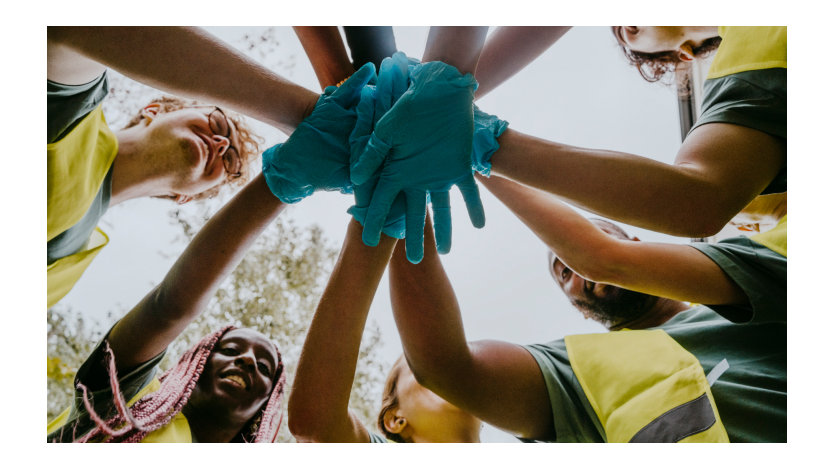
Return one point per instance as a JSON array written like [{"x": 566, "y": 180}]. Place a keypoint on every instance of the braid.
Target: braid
[{"x": 156, "y": 409}]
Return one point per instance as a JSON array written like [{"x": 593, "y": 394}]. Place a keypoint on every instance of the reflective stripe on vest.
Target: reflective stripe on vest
[{"x": 644, "y": 387}]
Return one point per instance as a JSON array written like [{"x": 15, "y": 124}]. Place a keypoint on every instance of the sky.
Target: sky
[
  {"x": 579, "y": 92},
  {"x": 566, "y": 96}
]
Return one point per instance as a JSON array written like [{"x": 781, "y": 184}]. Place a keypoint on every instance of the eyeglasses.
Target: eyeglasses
[{"x": 219, "y": 125}]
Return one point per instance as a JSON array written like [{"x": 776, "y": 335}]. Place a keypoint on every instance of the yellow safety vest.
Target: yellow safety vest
[
  {"x": 745, "y": 48},
  {"x": 177, "y": 430},
  {"x": 76, "y": 166},
  {"x": 776, "y": 238},
  {"x": 645, "y": 387}
]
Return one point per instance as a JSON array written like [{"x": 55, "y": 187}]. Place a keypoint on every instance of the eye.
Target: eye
[
  {"x": 263, "y": 368},
  {"x": 228, "y": 351}
]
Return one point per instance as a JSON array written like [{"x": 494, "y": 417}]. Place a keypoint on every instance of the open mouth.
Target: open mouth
[{"x": 235, "y": 378}]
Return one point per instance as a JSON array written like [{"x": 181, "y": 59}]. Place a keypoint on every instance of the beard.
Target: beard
[{"x": 620, "y": 307}]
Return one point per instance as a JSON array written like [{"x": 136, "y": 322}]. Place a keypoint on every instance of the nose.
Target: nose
[
  {"x": 221, "y": 144},
  {"x": 685, "y": 53},
  {"x": 246, "y": 360}
]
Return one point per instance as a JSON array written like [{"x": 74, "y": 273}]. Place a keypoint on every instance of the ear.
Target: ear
[
  {"x": 182, "y": 198},
  {"x": 394, "y": 423},
  {"x": 150, "y": 111}
]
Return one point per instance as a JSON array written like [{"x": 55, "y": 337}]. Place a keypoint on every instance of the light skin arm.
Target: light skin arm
[
  {"x": 318, "y": 403},
  {"x": 511, "y": 48},
  {"x": 719, "y": 169},
  {"x": 326, "y": 51},
  {"x": 188, "y": 62},
  {"x": 678, "y": 272},
  {"x": 498, "y": 382},
  {"x": 459, "y": 46},
  {"x": 187, "y": 288}
]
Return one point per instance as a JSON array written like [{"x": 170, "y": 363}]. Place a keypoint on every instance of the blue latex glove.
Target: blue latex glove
[
  {"x": 424, "y": 145},
  {"x": 484, "y": 143},
  {"x": 373, "y": 104},
  {"x": 317, "y": 155}
]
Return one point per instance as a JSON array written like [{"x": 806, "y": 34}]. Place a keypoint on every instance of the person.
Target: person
[
  {"x": 231, "y": 382},
  {"x": 318, "y": 407},
  {"x": 736, "y": 150},
  {"x": 173, "y": 148}
]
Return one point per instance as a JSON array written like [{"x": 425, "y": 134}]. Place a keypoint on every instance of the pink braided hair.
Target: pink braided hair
[{"x": 157, "y": 409}]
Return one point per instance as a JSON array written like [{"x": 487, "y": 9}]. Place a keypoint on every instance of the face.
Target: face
[
  {"x": 240, "y": 373},
  {"x": 682, "y": 40},
  {"x": 609, "y": 305},
  {"x": 196, "y": 147},
  {"x": 428, "y": 415}
]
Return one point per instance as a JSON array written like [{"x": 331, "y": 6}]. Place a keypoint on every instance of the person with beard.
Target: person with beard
[{"x": 697, "y": 352}]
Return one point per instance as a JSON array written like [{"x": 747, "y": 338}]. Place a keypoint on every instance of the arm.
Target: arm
[
  {"x": 214, "y": 253},
  {"x": 459, "y": 46},
  {"x": 510, "y": 49},
  {"x": 318, "y": 403},
  {"x": 326, "y": 51},
  {"x": 497, "y": 382},
  {"x": 678, "y": 272},
  {"x": 719, "y": 169},
  {"x": 214, "y": 72}
]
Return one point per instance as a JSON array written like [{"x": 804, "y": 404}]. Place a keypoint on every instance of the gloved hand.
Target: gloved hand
[
  {"x": 317, "y": 155},
  {"x": 424, "y": 145},
  {"x": 485, "y": 141},
  {"x": 375, "y": 101}
]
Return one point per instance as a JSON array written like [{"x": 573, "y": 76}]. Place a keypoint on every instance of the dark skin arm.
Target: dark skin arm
[
  {"x": 187, "y": 62},
  {"x": 318, "y": 403},
  {"x": 498, "y": 382},
  {"x": 187, "y": 288},
  {"x": 719, "y": 169},
  {"x": 326, "y": 51}
]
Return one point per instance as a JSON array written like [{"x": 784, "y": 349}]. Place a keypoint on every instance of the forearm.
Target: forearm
[
  {"x": 575, "y": 240},
  {"x": 427, "y": 315},
  {"x": 459, "y": 46},
  {"x": 510, "y": 49},
  {"x": 679, "y": 200},
  {"x": 326, "y": 51},
  {"x": 318, "y": 403},
  {"x": 214, "y": 72},
  {"x": 191, "y": 283}
]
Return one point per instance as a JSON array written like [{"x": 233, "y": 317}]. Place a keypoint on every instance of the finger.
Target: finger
[
  {"x": 415, "y": 222},
  {"x": 381, "y": 201},
  {"x": 442, "y": 221},
  {"x": 364, "y": 122},
  {"x": 369, "y": 160},
  {"x": 385, "y": 87},
  {"x": 348, "y": 93},
  {"x": 472, "y": 197}
]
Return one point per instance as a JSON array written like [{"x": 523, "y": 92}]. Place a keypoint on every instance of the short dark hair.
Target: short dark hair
[{"x": 390, "y": 398}]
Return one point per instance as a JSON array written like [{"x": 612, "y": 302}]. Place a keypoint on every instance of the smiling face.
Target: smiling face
[
  {"x": 189, "y": 145},
  {"x": 239, "y": 374}
]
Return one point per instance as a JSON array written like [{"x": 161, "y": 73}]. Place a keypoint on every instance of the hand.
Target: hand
[
  {"x": 485, "y": 141},
  {"x": 423, "y": 144},
  {"x": 316, "y": 156},
  {"x": 374, "y": 102}
]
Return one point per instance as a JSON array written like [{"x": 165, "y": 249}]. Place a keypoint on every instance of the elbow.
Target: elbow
[{"x": 301, "y": 423}]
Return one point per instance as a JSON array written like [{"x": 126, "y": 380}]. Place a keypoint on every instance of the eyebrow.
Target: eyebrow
[{"x": 238, "y": 341}]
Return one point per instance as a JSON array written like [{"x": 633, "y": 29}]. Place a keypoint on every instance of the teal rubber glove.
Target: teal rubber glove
[
  {"x": 485, "y": 141},
  {"x": 424, "y": 146},
  {"x": 375, "y": 101},
  {"x": 317, "y": 155}
]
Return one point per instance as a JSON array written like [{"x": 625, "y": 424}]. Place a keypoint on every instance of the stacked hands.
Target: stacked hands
[{"x": 396, "y": 140}]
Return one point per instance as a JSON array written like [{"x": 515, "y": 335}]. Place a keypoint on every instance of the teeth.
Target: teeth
[{"x": 236, "y": 379}]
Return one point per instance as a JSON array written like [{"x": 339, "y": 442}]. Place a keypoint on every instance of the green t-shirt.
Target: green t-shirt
[
  {"x": 67, "y": 105},
  {"x": 756, "y": 99},
  {"x": 751, "y": 396},
  {"x": 93, "y": 374}
]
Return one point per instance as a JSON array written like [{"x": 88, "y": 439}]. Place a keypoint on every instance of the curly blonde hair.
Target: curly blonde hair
[{"x": 250, "y": 142}]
